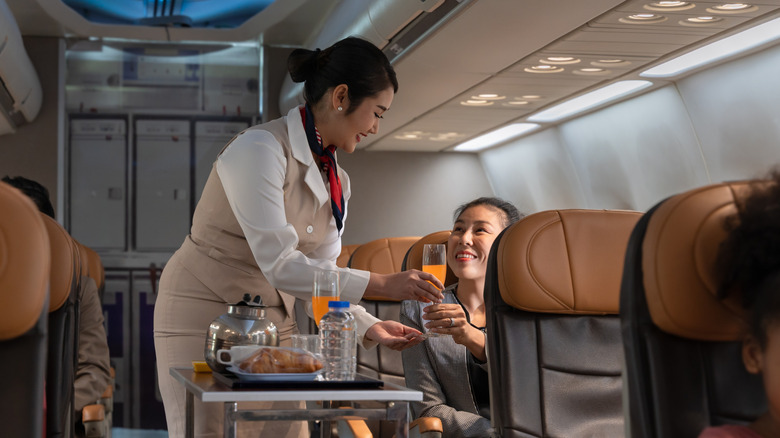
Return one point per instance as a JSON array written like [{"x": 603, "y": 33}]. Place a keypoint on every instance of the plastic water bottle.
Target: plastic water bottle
[{"x": 338, "y": 334}]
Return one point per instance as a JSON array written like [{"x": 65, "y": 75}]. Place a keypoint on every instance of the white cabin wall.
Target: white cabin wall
[
  {"x": 718, "y": 125},
  {"x": 735, "y": 110},
  {"x": 408, "y": 193}
]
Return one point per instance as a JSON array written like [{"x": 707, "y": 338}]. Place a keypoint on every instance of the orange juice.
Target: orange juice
[
  {"x": 440, "y": 271},
  {"x": 320, "y": 307}
]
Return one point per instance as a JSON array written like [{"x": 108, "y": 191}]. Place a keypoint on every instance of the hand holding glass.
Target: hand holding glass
[{"x": 324, "y": 290}]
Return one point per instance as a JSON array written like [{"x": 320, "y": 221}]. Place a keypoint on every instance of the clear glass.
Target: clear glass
[
  {"x": 324, "y": 290},
  {"x": 434, "y": 261}
]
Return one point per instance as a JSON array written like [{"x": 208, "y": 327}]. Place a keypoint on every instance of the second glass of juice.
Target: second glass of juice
[{"x": 324, "y": 290}]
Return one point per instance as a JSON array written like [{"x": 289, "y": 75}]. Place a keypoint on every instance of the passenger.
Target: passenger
[
  {"x": 451, "y": 371},
  {"x": 749, "y": 262},
  {"x": 272, "y": 213},
  {"x": 93, "y": 369}
]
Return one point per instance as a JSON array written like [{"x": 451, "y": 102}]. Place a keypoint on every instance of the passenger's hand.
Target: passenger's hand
[
  {"x": 393, "y": 334},
  {"x": 406, "y": 285},
  {"x": 450, "y": 319}
]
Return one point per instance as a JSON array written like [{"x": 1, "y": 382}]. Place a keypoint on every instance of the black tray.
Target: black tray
[{"x": 360, "y": 382}]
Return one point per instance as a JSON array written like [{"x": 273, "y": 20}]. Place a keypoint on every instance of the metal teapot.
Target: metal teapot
[{"x": 243, "y": 324}]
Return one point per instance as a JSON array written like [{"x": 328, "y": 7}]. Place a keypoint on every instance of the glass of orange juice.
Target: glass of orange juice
[
  {"x": 434, "y": 260},
  {"x": 324, "y": 290}
]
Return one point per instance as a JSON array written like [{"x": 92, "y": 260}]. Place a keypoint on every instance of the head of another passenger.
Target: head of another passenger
[
  {"x": 35, "y": 191},
  {"x": 476, "y": 226},
  {"x": 749, "y": 264},
  {"x": 348, "y": 86}
]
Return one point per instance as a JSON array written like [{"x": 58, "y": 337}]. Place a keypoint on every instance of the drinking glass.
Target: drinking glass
[
  {"x": 310, "y": 343},
  {"x": 434, "y": 260},
  {"x": 324, "y": 290}
]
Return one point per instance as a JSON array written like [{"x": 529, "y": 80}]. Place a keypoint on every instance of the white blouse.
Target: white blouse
[{"x": 252, "y": 171}]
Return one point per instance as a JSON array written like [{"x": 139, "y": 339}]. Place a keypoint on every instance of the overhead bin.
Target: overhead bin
[
  {"x": 20, "y": 88},
  {"x": 375, "y": 20}
]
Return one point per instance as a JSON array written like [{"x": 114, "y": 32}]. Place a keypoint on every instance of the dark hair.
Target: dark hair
[
  {"x": 352, "y": 61},
  {"x": 35, "y": 191},
  {"x": 510, "y": 213},
  {"x": 748, "y": 260}
]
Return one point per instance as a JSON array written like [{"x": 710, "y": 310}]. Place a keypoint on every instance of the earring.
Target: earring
[{"x": 340, "y": 108}]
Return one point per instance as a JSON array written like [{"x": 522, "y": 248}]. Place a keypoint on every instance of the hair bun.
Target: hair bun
[{"x": 303, "y": 64}]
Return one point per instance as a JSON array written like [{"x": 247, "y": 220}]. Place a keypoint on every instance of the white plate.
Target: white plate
[{"x": 272, "y": 377}]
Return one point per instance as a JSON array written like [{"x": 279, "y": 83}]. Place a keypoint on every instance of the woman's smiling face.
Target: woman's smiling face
[
  {"x": 361, "y": 122},
  {"x": 472, "y": 236}
]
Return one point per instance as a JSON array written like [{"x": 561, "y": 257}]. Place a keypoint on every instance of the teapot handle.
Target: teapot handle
[{"x": 220, "y": 352}]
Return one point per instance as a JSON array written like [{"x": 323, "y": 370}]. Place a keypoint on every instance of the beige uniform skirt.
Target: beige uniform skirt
[{"x": 183, "y": 310}]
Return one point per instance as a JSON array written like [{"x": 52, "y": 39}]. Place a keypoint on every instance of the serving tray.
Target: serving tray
[{"x": 361, "y": 382}]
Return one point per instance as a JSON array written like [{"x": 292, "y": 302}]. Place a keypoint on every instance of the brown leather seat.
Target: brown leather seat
[
  {"x": 383, "y": 256},
  {"x": 24, "y": 291},
  {"x": 553, "y": 333},
  {"x": 63, "y": 329},
  {"x": 682, "y": 344}
]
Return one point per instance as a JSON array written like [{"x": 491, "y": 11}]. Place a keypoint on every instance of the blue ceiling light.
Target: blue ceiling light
[{"x": 177, "y": 13}]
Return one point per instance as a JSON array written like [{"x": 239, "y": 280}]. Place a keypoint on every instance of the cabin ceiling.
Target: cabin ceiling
[{"x": 477, "y": 47}]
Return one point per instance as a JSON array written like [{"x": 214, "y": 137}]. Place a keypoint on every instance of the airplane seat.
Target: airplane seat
[
  {"x": 24, "y": 309},
  {"x": 553, "y": 333},
  {"x": 96, "y": 418},
  {"x": 63, "y": 329},
  {"x": 683, "y": 344},
  {"x": 383, "y": 256}
]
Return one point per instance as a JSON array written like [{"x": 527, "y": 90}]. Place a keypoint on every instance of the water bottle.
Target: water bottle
[{"x": 338, "y": 336}]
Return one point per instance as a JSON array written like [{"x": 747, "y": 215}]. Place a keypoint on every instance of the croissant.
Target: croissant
[{"x": 280, "y": 360}]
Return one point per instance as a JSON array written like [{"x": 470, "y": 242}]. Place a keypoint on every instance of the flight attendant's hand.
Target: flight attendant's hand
[
  {"x": 406, "y": 285},
  {"x": 393, "y": 334}
]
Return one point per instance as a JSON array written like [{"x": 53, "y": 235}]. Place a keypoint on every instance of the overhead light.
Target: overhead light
[
  {"x": 591, "y": 71},
  {"x": 495, "y": 137},
  {"x": 642, "y": 19},
  {"x": 669, "y": 6},
  {"x": 476, "y": 102},
  {"x": 514, "y": 103},
  {"x": 701, "y": 21},
  {"x": 732, "y": 8},
  {"x": 531, "y": 97},
  {"x": 544, "y": 68},
  {"x": 559, "y": 60},
  {"x": 729, "y": 46},
  {"x": 610, "y": 63},
  {"x": 589, "y": 100},
  {"x": 488, "y": 96}
]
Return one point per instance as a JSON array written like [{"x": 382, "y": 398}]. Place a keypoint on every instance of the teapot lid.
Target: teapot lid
[{"x": 257, "y": 301}]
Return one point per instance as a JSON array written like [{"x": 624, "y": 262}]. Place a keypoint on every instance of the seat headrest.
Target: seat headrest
[
  {"x": 94, "y": 265},
  {"x": 24, "y": 263},
  {"x": 382, "y": 256},
  {"x": 678, "y": 262},
  {"x": 565, "y": 261},
  {"x": 346, "y": 252},
  {"x": 413, "y": 258},
  {"x": 64, "y": 263}
]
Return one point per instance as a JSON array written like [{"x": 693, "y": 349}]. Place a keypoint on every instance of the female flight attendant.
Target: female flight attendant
[{"x": 272, "y": 213}]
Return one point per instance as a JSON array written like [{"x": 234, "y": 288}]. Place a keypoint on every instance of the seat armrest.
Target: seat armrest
[
  {"x": 93, "y": 418},
  {"x": 427, "y": 425}
]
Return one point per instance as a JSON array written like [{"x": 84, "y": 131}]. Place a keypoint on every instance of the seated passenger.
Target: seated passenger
[
  {"x": 749, "y": 263},
  {"x": 92, "y": 372},
  {"x": 451, "y": 371}
]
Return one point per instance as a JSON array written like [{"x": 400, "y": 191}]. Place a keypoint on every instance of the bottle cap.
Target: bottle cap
[{"x": 338, "y": 304}]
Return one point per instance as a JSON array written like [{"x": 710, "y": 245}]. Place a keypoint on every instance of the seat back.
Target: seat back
[
  {"x": 553, "y": 332},
  {"x": 413, "y": 257},
  {"x": 94, "y": 267},
  {"x": 24, "y": 292},
  {"x": 382, "y": 256},
  {"x": 63, "y": 323},
  {"x": 682, "y": 344}
]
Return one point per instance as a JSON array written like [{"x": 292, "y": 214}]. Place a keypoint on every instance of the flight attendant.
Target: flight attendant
[{"x": 272, "y": 213}]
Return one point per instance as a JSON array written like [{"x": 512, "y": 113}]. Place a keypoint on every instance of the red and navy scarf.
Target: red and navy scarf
[{"x": 327, "y": 157}]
